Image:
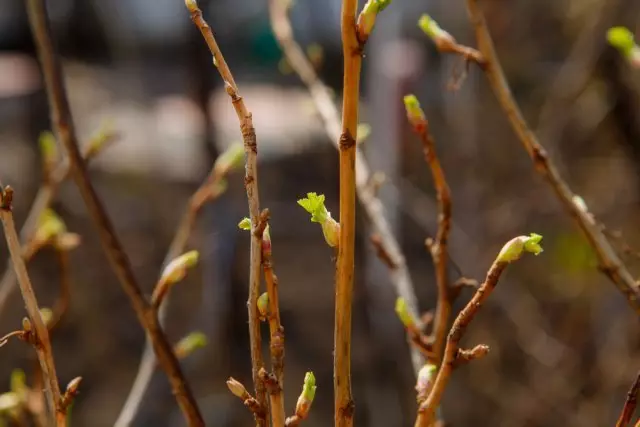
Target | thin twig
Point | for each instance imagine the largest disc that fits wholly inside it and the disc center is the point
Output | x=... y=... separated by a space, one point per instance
x=64 y=128
x=452 y=349
x=276 y=330
x=610 y=262
x=251 y=185
x=62 y=303
x=42 y=201
x=630 y=404
x=437 y=247
x=41 y=340
x=352 y=57
x=209 y=191
x=330 y=116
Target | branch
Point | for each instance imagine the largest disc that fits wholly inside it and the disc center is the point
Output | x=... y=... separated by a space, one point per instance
x=41 y=340
x=629 y=404
x=251 y=185
x=453 y=354
x=63 y=125
x=276 y=330
x=437 y=248
x=210 y=189
x=101 y=140
x=610 y=262
x=323 y=102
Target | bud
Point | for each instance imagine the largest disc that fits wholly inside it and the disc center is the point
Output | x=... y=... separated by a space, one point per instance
x=245 y=224
x=314 y=204
x=363 y=132
x=73 y=386
x=48 y=150
x=187 y=345
x=97 y=142
x=232 y=158
x=306 y=397
x=414 y=111
x=49 y=226
x=176 y=270
x=403 y=314
x=192 y=5
x=266 y=242
x=425 y=381
x=263 y=306
x=26 y=324
x=514 y=248
x=622 y=39
x=237 y=388
x=46 y=314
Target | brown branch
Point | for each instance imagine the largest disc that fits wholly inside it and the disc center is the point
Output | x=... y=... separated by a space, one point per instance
x=452 y=349
x=42 y=201
x=64 y=128
x=210 y=189
x=610 y=262
x=352 y=55
x=276 y=330
x=322 y=99
x=630 y=404
x=41 y=340
x=251 y=185
x=437 y=247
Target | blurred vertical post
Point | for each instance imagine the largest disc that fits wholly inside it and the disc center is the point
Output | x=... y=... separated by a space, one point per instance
x=393 y=62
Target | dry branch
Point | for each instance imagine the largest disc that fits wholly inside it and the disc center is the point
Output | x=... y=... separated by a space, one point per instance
x=63 y=125
x=630 y=404
x=251 y=185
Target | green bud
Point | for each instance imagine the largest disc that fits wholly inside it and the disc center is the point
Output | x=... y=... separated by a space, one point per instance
x=430 y=27
x=403 y=314
x=314 y=204
x=306 y=397
x=48 y=149
x=425 y=381
x=192 y=342
x=263 y=305
x=49 y=226
x=245 y=224
x=232 y=158
x=514 y=248
x=414 y=111
x=622 y=39
x=176 y=270
x=192 y=5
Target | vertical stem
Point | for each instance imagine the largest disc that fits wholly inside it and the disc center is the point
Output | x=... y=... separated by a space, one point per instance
x=352 y=52
x=42 y=343
x=63 y=124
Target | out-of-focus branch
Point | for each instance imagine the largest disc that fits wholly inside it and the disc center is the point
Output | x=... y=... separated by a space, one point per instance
x=63 y=125
x=101 y=140
x=610 y=263
x=251 y=185
x=453 y=354
x=630 y=404
x=34 y=325
x=330 y=116
x=210 y=189
x=437 y=247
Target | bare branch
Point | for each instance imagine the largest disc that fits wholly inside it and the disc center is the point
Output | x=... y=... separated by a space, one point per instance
x=630 y=404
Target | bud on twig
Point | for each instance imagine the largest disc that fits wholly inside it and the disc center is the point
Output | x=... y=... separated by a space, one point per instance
x=187 y=345
x=50 y=226
x=515 y=247
x=622 y=39
x=306 y=397
x=192 y=5
x=174 y=272
x=403 y=314
x=48 y=150
x=367 y=18
x=263 y=306
x=314 y=204
x=414 y=113
x=237 y=388
x=425 y=381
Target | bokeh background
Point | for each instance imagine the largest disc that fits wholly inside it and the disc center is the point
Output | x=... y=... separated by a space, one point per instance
x=564 y=343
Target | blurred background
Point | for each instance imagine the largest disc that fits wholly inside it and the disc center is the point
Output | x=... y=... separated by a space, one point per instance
x=564 y=343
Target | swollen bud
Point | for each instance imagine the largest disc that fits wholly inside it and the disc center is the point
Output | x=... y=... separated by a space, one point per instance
x=176 y=270
x=237 y=388
x=263 y=306
x=187 y=345
x=425 y=381
x=314 y=204
x=622 y=39
x=192 y=5
x=48 y=150
x=306 y=397
x=515 y=247
x=49 y=226
x=414 y=111
x=245 y=224
x=403 y=314
x=232 y=158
